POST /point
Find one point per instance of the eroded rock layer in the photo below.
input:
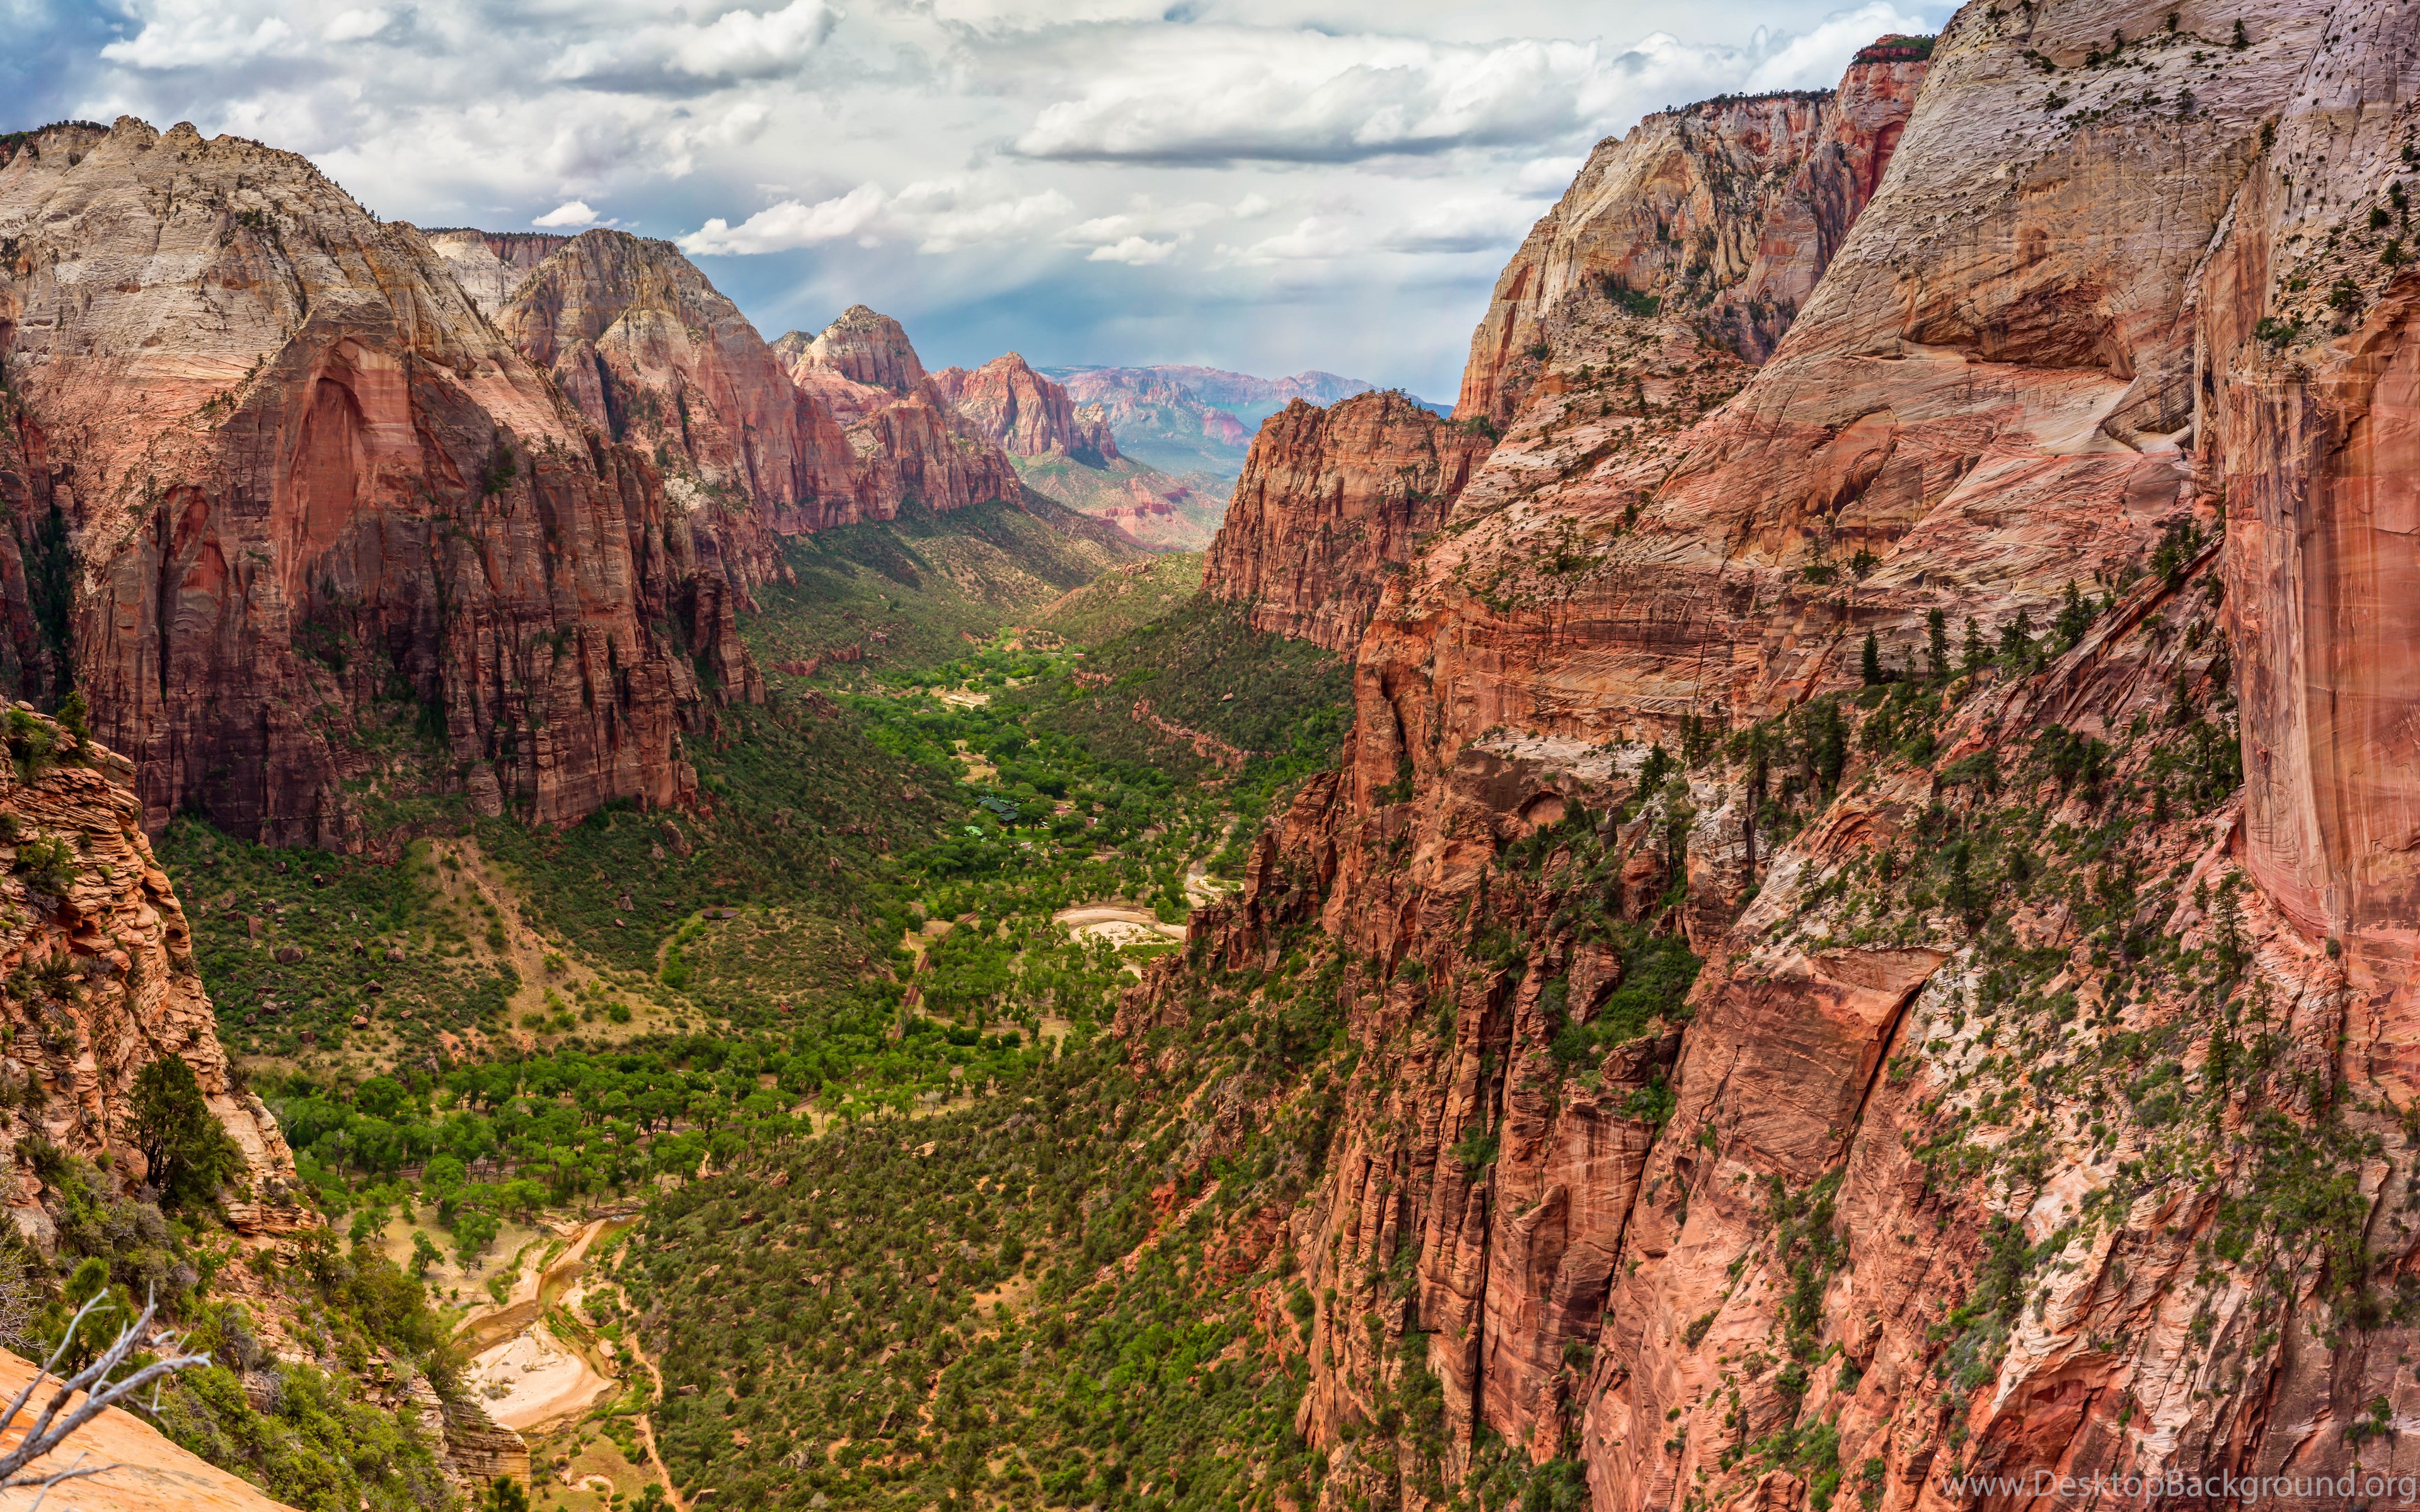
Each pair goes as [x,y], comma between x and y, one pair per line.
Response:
[1024,413]
[654,356]
[2005,691]
[306,491]
[1329,500]
[101,982]
[1734,207]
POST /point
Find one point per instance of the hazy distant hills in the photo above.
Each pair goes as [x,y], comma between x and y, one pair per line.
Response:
[1184,419]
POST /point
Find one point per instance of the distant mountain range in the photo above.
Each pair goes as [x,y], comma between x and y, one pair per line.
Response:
[1188,419]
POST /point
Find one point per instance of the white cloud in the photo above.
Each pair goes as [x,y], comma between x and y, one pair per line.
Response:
[1461,225]
[737,44]
[355,26]
[790,223]
[1817,59]
[183,34]
[1252,207]
[1222,94]
[1136,252]
[938,215]
[1313,237]
[571,212]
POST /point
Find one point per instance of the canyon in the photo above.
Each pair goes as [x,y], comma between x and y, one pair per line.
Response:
[2028,327]
[305,480]
[1860,938]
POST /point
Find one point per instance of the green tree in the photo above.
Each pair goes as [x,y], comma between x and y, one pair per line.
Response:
[504,1494]
[1870,662]
[186,1151]
[424,1252]
[472,1233]
[1936,643]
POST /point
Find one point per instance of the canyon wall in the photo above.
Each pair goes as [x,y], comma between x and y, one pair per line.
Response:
[491,265]
[306,493]
[1025,414]
[1331,500]
[655,357]
[101,982]
[2035,1110]
[910,443]
[1734,208]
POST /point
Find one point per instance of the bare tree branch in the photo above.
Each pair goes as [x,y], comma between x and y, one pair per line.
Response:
[50,1429]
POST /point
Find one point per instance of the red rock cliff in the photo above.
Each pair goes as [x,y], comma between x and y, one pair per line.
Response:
[654,356]
[910,443]
[1329,500]
[2035,1111]
[1024,413]
[101,964]
[299,475]
[1737,205]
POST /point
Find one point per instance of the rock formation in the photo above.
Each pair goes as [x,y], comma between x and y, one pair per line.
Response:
[862,346]
[654,356]
[1739,203]
[2005,689]
[146,1473]
[909,443]
[1024,413]
[306,491]
[1330,499]
[101,982]
[491,265]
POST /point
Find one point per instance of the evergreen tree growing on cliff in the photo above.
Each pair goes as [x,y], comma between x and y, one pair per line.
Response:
[1870,662]
[1936,643]
[187,1154]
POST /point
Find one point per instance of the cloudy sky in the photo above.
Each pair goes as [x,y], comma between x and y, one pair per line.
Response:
[1243,183]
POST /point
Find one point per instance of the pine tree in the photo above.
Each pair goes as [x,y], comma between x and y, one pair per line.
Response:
[1936,643]
[1869,664]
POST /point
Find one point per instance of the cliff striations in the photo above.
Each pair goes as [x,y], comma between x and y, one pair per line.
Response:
[910,442]
[302,492]
[1329,500]
[491,265]
[1732,209]
[99,962]
[1870,887]
[1024,413]
[655,357]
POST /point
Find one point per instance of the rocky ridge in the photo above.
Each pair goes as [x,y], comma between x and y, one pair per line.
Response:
[98,961]
[1025,414]
[1992,688]
[1737,203]
[1331,500]
[298,490]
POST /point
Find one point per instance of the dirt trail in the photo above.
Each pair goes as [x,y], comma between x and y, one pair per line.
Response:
[1118,923]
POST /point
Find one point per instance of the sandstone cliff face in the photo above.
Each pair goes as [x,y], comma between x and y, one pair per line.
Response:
[2034,1111]
[917,449]
[654,356]
[309,492]
[1023,413]
[910,442]
[1329,500]
[864,347]
[2311,330]
[101,982]
[491,265]
[1735,207]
